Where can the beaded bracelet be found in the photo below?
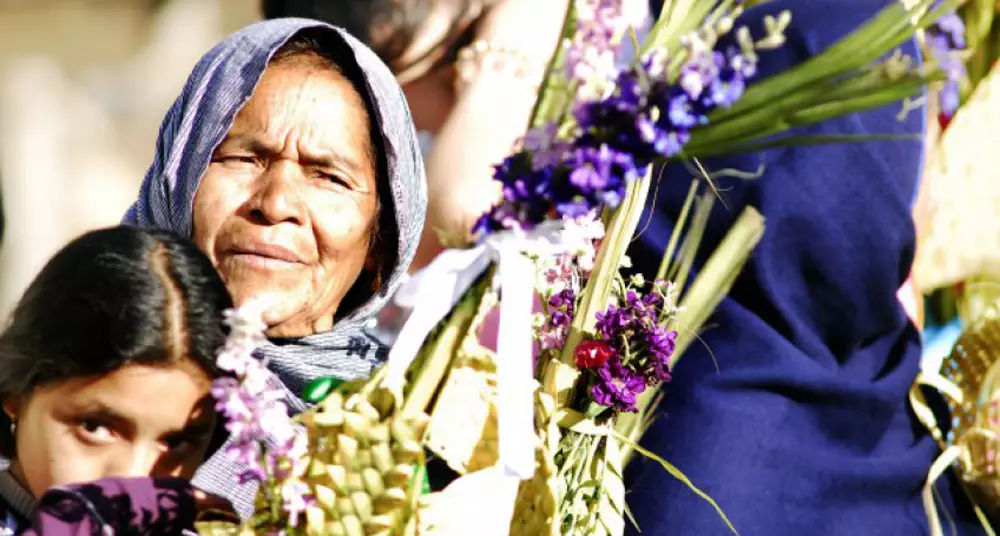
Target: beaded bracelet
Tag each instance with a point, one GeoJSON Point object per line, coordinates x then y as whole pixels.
{"type": "Point", "coordinates": [484, 57]}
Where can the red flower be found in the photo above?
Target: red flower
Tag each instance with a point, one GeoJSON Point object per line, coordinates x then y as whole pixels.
{"type": "Point", "coordinates": [593, 354]}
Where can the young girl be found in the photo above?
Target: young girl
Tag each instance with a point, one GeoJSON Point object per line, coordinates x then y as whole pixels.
{"type": "Point", "coordinates": [105, 371]}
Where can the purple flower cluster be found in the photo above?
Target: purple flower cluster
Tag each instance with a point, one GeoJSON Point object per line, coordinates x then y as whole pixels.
{"type": "Point", "coordinates": [647, 118]}
{"type": "Point", "coordinates": [561, 308]}
{"type": "Point", "coordinates": [642, 349]}
{"type": "Point", "coordinates": [256, 416]}
{"type": "Point", "coordinates": [590, 55]}
{"type": "Point", "coordinates": [945, 39]}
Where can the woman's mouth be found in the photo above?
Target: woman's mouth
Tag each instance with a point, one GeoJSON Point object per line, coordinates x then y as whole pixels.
{"type": "Point", "coordinates": [265, 256]}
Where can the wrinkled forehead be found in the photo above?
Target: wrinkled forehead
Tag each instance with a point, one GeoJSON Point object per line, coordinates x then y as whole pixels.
{"type": "Point", "coordinates": [309, 101]}
{"type": "Point", "coordinates": [218, 88]}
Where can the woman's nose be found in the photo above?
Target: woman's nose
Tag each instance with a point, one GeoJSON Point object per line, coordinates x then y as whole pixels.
{"type": "Point", "coordinates": [277, 199]}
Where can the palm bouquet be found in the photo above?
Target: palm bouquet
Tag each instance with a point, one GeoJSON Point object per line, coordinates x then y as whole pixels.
{"type": "Point", "coordinates": [540, 429]}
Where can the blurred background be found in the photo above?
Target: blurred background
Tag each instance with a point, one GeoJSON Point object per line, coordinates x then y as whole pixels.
{"type": "Point", "coordinates": [84, 85]}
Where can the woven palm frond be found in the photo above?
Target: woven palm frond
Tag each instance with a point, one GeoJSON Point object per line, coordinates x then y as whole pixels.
{"type": "Point", "coordinates": [364, 468]}
{"type": "Point", "coordinates": [536, 512]}
{"type": "Point", "coordinates": [463, 428]}
{"type": "Point", "coordinates": [959, 234]}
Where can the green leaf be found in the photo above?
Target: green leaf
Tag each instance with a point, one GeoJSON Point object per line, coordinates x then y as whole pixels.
{"type": "Point", "coordinates": [554, 95]}
{"type": "Point", "coordinates": [677, 18]}
{"type": "Point", "coordinates": [611, 507]}
{"type": "Point", "coordinates": [679, 475]}
{"type": "Point", "coordinates": [435, 356]}
{"type": "Point", "coordinates": [716, 277]}
{"type": "Point", "coordinates": [797, 111]}
{"type": "Point", "coordinates": [318, 389]}
{"type": "Point", "coordinates": [800, 140]}
{"type": "Point", "coordinates": [675, 236]}
{"type": "Point", "coordinates": [881, 34]}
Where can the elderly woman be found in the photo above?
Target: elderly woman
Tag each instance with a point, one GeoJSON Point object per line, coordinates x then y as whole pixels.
{"type": "Point", "coordinates": [291, 160]}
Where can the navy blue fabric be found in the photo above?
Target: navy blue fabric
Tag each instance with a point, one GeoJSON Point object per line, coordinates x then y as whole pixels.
{"type": "Point", "coordinates": [804, 428]}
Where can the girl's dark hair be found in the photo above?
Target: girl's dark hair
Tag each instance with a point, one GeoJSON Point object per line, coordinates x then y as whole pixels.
{"type": "Point", "coordinates": [317, 47]}
{"type": "Point", "coordinates": [110, 298]}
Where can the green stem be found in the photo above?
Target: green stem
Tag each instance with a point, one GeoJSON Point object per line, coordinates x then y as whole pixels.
{"type": "Point", "coordinates": [715, 279]}
{"type": "Point", "coordinates": [675, 236]}
{"type": "Point", "coordinates": [889, 28]}
{"type": "Point", "coordinates": [689, 250]}
{"type": "Point", "coordinates": [549, 95]}
{"type": "Point", "coordinates": [617, 236]}
{"type": "Point", "coordinates": [437, 358]}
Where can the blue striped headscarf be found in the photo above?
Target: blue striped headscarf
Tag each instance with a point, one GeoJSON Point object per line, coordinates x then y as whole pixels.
{"type": "Point", "coordinates": [201, 117]}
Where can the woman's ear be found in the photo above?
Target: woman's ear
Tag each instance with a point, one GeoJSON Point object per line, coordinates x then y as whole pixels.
{"type": "Point", "coordinates": [12, 407]}
{"type": "Point", "coordinates": [373, 262]}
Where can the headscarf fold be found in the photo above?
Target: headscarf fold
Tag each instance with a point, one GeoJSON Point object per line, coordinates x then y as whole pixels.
{"type": "Point", "coordinates": [219, 86]}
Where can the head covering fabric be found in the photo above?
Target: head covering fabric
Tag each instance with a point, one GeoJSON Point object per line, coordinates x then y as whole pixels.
{"type": "Point", "coordinates": [219, 86]}
{"type": "Point", "coordinates": [791, 411]}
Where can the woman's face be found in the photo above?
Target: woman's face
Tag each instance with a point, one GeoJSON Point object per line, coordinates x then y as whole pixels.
{"type": "Point", "coordinates": [139, 420]}
{"type": "Point", "coordinates": [286, 208]}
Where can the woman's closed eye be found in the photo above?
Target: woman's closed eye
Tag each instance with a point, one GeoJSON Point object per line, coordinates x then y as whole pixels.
{"type": "Point", "coordinates": [334, 179]}
{"type": "Point", "coordinates": [236, 159]}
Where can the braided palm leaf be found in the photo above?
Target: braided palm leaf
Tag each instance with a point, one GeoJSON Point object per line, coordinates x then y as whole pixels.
{"type": "Point", "coordinates": [535, 507]}
{"type": "Point", "coordinates": [363, 469]}
{"type": "Point", "coordinates": [463, 430]}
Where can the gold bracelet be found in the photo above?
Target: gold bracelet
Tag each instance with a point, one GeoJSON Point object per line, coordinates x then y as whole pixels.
{"type": "Point", "coordinates": [482, 57]}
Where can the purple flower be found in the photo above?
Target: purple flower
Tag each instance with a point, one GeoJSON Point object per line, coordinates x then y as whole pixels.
{"type": "Point", "coordinates": [635, 329]}
{"type": "Point", "coordinates": [245, 452]}
{"type": "Point", "coordinates": [590, 55]}
{"type": "Point", "coordinates": [946, 39]}
{"type": "Point", "coordinates": [682, 111]}
{"type": "Point", "coordinates": [562, 306]}
{"type": "Point", "coordinates": [645, 118]}
{"type": "Point", "coordinates": [296, 497]}
{"type": "Point", "coordinates": [661, 344]}
{"type": "Point", "coordinates": [600, 175]}
{"type": "Point", "coordinates": [952, 26]}
{"type": "Point", "coordinates": [616, 386]}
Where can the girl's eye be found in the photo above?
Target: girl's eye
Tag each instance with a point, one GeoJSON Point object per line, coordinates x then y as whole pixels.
{"type": "Point", "coordinates": [96, 430]}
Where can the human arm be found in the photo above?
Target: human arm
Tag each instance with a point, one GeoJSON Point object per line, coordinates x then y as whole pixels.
{"type": "Point", "coordinates": [491, 112]}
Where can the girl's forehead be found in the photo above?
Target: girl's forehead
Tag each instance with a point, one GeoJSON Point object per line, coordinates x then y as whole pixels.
{"type": "Point", "coordinates": [156, 397]}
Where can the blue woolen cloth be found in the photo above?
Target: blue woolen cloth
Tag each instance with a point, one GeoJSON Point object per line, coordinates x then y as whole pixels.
{"type": "Point", "coordinates": [793, 412]}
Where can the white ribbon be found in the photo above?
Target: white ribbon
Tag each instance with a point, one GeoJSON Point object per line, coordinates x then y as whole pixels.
{"type": "Point", "coordinates": [460, 509]}
{"type": "Point", "coordinates": [435, 290]}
